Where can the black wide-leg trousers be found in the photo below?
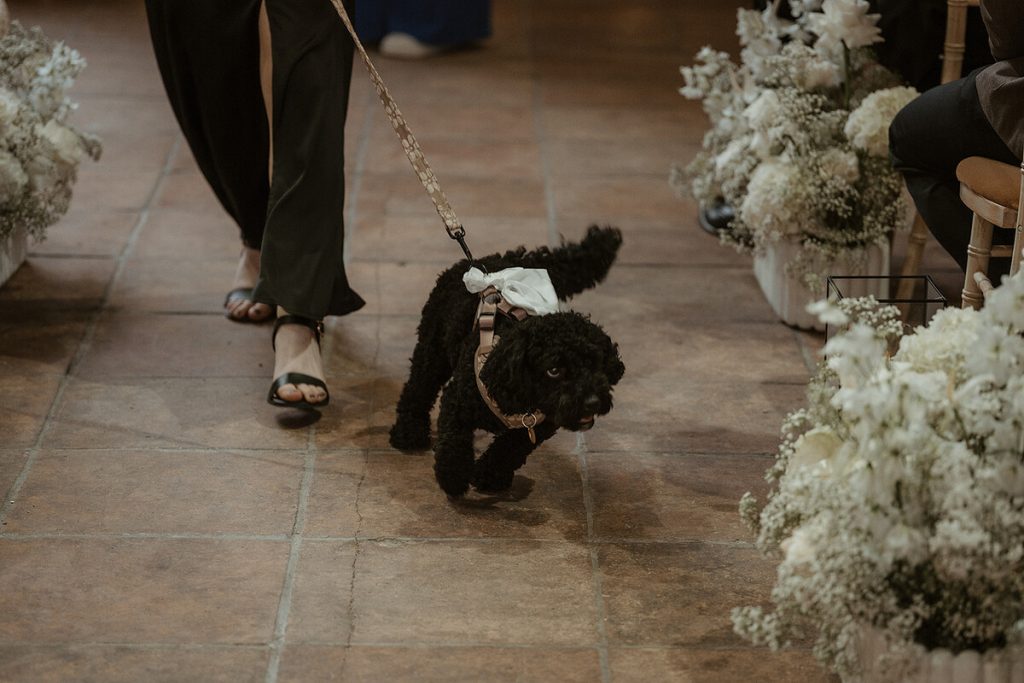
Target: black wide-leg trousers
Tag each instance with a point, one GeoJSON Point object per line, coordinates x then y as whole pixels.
{"type": "Point", "coordinates": [209, 57]}
{"type": "Point", "coordinates": [927, 140]}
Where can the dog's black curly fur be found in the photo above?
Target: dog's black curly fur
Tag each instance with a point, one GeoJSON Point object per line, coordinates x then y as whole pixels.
{"type": "Point", "coordinates": [516, 372]}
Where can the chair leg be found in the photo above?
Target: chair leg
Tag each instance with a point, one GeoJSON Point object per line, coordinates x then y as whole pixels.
{"type": "Point", "coordinates": [912, 263]}
{"type": "Point", "coordinates": [1018, 245]}
{"type": "Point", "coordinates": [978, 253]}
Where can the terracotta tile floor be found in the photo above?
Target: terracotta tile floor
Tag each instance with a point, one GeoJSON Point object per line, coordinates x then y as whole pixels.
{"type": "Point", "coordinates": [163, 523]}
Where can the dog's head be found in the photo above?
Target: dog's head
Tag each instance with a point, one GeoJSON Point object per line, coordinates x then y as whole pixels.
{"type": "Point", "coordinates": [561, 364]}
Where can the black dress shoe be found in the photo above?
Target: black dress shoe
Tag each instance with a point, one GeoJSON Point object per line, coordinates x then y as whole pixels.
{"type": "Point", "coordinates": [716, 218]}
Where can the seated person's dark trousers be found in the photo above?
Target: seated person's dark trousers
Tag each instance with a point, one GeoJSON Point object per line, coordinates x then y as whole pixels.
{"type": "Point", "coordinates": [927, 140]}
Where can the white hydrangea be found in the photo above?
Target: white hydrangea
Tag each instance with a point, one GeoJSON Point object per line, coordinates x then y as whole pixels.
{"type": "Point", "coordinates": [868, 126]}
{"type": "Point", "coordinates": [769, 203]}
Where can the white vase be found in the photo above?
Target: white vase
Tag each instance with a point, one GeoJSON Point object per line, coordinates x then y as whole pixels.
{"type": "Point", "coordinates": [789, 297]}
{"type": "Point", "coordinates": [941, 666]}
{"type": "Point", "coordinates": [13, 252]}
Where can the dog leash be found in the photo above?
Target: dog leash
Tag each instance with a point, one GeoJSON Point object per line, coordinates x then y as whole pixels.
{"type": "Point", "coordinates": [412, 148]}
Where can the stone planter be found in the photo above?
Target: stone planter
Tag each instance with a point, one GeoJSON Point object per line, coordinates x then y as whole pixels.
{"type": "Point", "coordinates": [789, 297]}
{"type": "Point", "coordinates": [942, 666]}
{"type": "Point", "coordinates": [13, 251]}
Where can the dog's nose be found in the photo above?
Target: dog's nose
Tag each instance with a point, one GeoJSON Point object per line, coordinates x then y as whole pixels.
{"type": "Point", "coordinates": [592, 404]}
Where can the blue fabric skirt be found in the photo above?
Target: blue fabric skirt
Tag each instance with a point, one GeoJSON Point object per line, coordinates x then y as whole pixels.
{"type": "Point", "coordinates": [435, 22]}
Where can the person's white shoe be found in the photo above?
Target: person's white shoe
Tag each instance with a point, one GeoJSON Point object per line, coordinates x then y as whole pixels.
{"type": "Point", "coordinates": [404, 46]}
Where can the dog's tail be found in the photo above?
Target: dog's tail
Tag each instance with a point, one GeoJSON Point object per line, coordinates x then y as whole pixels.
{"type": "Point", "coordinates": [575, 267]}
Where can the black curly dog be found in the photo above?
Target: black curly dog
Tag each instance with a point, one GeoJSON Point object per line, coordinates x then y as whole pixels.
{"type": "Point", "coordinates": [561, 364]}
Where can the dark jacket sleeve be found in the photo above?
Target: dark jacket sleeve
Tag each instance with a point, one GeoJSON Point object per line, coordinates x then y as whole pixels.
{"type": "Point", "coordinates": [1005, 22]}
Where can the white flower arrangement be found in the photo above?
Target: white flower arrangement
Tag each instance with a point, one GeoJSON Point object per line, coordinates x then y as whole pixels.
{"type": "Point", "coordinates": [898, 493]}
{"type": "Point", "coordinates": [809, 99]}
{"type": "Point", "coordinates": [39, 150]}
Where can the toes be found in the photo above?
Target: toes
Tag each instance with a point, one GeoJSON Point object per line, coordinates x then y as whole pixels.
{"type": "Point", "coordinates": [238, 308]}
{"type": "Point", "coordinates": [289, 392]}
{"type": "Point", "coordinates": [259, 312]}
{"type": "Point", "coordinates": [312, 394]}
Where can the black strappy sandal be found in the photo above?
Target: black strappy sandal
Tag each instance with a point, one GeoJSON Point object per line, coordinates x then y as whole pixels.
{"type": "Point", "coordinates": [240, 293]}
{"type": "Point", "coordinates": [297, 378]}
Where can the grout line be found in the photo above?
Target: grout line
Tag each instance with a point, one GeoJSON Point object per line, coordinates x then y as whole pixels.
{"type": "Point", "coordinates": [90, 331]}
{"type": "Point", "coordinates": [356, 539]}
{"type": "Point", "coordinates": [595, 573]}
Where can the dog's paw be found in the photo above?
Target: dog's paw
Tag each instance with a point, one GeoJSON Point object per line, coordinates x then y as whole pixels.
{"type": "Point", "coordinates": [408, 436]}
{"type": "Point", "coordinates": [454, 483]}
{"type": "Point", "coordinates": [487, 481]}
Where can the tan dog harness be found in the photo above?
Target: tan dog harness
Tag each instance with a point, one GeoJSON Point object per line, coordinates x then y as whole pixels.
{"type": "Point", "coordinates": [491, 303]}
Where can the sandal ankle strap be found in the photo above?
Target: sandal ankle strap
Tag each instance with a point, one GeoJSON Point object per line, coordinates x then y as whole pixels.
{"type": "Point", "coordinates": [316, 325]}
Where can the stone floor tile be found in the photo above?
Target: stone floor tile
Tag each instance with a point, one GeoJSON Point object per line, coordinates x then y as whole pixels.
{"type": "Point", "coordinates": [188, 191]}
{"type": "Point", "coordinates": [180, 234]}
{"type": "Point", "coordinates": [42, 341]}
{"type": "Point", "coordinates": [360, 664]}
{"type": "Point", "coordinates": [361, 345]}
{"type": "Point", "coordinates": [588, 158]}
{"type": "Point", "coordinates": [413, 238]}
{"type": "Point", "coordinates": [114, 188]}
{"type": "Point", "coordinates": [668, 415]}
{"type": "Point", "coordinates": [56, 284]}
{"type": "Point", "coordinates": [158, 492]}
{"type": "Point", "coordinates": [124, 664]}
{"type": "Point", "coordinates": [601, 124]}
{"type": "Point", "coordinates": [396, 496]}
{"type": "Point", "coordinates": [403, 288]}
{"type": "Point", "coordinates": [177, 286]}
{"type": "Point", "coordinates": [176, 413]}
{"type": "Point", "coordinates": [346, 423]}
{"type": "Point", "coordinates": [679, 594]}
{"type": "Point", "coordinates": [472, 82]}
{"type": "Point", "coordinates": [434, 120]}
{"type": "Point", "coordinates": [476, 158]}
{"type": "Point", "coordinates": [321, 603]}
{"type": "Point", "coordinates": [673, 497]}
{"type": "Point", "coordinates": [472, 198]}
{"type": "Point", "coordinates": [614, 200]}
{"type": "Point", "coordinates": [140, 591]}
{"type": "Point", "coordinates": [88, 232]}
{"type": "Point", "coordinates": [24, 404]}
{"type": "Point", "coordinates": [12, 461]}
{"type": "Point", "coordinates": [153, 345]}
{"type": "Point", "coordinates": [522, 592]}
{"type": "Point", "coordinates": [643, 665]}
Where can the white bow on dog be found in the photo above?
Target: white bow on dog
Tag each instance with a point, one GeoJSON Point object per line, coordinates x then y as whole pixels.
{"type": "Point", "coordinates": [526, 288]}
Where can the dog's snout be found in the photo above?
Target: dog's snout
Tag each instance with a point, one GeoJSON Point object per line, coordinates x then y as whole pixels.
{"type": "Point", "coordinates": [592, 403]}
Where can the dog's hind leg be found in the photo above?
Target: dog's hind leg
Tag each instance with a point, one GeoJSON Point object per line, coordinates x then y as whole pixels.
{"type": "Point", "coordinates": [496, 468]}
{"type": "Point", "coordinates": [430, 370]}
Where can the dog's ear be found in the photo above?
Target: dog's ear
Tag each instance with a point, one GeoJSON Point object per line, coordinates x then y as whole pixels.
{"type": "Point", "coordinates": [506, 374]}
{"type": "Point", "coordinates": [614, 367]}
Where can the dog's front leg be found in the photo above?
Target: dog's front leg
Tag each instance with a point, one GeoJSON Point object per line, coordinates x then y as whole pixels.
{"type": "Point", "coordinates": [496, 468]}
{"type": "Point", "coordinates": [453, 451]}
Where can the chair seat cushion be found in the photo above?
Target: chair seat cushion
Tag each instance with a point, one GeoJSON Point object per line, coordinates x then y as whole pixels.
{"type": "Point", "coordinates": [993, 180]}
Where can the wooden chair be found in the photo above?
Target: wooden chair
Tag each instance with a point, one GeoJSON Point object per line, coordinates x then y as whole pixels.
{"type": "Point", "coordinates": [952, 69]}
{"type": "Point", "coordinates": [994, 191]}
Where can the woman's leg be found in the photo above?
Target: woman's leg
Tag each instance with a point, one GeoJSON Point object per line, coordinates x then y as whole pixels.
{"type": "Point", "coordinates": [927, 140]}
{"type": "Point", "coordinates": [208, 54]}
{"type": "Point", "coordinates": [310, 67]}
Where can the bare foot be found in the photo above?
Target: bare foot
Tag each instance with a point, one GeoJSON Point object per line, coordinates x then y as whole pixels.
{"type": "Point", "coordinates": [297, 351]}
{"type": "Point", "coordinates": [246, 274]}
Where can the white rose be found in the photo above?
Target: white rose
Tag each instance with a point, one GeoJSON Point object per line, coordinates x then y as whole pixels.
{"type": "Point", "coordinates": [839, 164]}
{"type": "Point", "coordinates": [12, 177]}
{"type": "Point", "coordinates": [820, 443]}
{"type": "Point", "coordinates": [9, 105]}
{"type": "Point", "coordinates": [765, 111]}
{"type": "Point", "coordinates": [821, 73]}
{"type": "Point", "coordinates": [66, 144]}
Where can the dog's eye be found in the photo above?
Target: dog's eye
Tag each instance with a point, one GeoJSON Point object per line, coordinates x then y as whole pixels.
{"type": "Point", "coordinates": [556, 373]}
